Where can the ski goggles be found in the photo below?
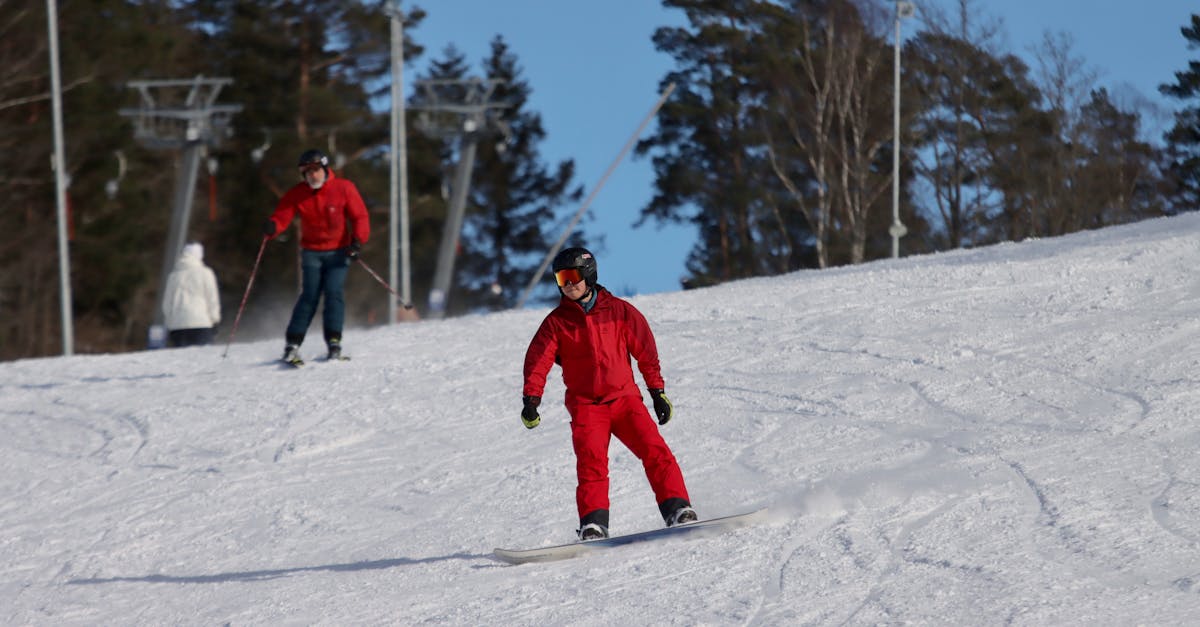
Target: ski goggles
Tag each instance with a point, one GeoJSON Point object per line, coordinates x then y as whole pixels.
{"type": "Point", "coordinates": [310, 167]}
{"type": "Point", "coordinates": [568, 276]}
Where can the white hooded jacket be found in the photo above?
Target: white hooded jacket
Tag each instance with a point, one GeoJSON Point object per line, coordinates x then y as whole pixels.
{"type": "Point", "coordinates": [191, 300]}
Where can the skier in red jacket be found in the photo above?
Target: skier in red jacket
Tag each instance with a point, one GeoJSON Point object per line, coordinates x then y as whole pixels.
{"type": "Point", "coordinates": [592, 334]}
{"type": "Point", "coordinates": [334, 226]}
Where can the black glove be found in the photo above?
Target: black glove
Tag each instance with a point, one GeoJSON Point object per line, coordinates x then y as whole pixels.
{"type": "Point", "coordinates": [269, 227]}
{"type": "Point", "coordinates": [529, 413]}
{"type": "Point", "coordinates": [352, 250]}
{"type": "Point", "coordinates": [662, 407]}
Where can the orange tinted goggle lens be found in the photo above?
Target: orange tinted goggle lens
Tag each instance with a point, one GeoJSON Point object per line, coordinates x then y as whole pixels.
{"type": "Point", "coordinates": [568, 275]}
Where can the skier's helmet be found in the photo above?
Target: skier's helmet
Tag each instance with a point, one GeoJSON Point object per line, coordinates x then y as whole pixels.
{"type": "Point", "coordinates": [580, 259]}
{"type": "Point", "coordinates": [313, 157]}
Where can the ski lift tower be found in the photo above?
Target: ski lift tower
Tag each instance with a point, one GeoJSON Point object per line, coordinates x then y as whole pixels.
{"type": "Point", "coordinates": [463, 110]}
{"type": "Point", "coordinates": [179, 114]}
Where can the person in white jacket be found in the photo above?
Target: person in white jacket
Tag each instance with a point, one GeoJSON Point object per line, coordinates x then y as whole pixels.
{"type": "Point", "coordinates": [192, 306]}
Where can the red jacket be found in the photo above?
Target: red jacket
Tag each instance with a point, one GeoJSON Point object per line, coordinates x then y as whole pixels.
{"type": "Point", "coordinates": [324, 214]}
{"type": "Point", "coordinates": [593, 349]}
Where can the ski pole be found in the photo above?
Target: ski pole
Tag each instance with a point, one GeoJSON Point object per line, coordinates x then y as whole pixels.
{"type": "Point", "coordinates": [249, 284]}
{"type": "Point", "coordinates": [384, 283]}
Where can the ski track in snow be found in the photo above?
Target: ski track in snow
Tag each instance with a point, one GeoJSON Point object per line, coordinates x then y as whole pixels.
{"type": "Point", "coordinates": [998, 436]}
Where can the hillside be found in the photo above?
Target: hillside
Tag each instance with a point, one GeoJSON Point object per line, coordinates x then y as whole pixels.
{"type": "Point", "coordinates": [1004, 435]}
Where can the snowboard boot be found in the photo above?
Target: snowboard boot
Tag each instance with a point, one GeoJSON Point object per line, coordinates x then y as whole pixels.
{"type": "Point", "coordinates": [291, 355]}
{"type": "Point", "coordinates": [593, 531]}
{"type": "Point", "coordinates": [682, 516]}
{"type": "Point", "coordinates": [676, 510]}
{"type": "Point", "coordinates": [593, 525]}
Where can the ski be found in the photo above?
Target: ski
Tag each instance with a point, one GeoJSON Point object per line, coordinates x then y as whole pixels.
{"type": "Point", "coordinates": [575, 549]}
{"type": "Point", "coordinates": [300, 363]}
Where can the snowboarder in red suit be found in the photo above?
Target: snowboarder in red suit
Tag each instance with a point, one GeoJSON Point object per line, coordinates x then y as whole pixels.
{"type": "Point", "coordinates": [592, 335]}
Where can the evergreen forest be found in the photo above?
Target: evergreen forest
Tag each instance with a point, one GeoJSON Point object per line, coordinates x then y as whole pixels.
{"type": "Point", "coordinates": [777, 144]}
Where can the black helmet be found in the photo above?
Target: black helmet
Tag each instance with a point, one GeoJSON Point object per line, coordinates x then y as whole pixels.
{"type": "Point", "coordinates": [580, 258]}
{"type": "Point", "coordinates": [313, 156]}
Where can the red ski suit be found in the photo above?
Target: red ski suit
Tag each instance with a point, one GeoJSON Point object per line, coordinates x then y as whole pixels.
{"type": "Point", "coordinates": [324, 214]}
{"type": "Point", "coordinates": [593, 349]}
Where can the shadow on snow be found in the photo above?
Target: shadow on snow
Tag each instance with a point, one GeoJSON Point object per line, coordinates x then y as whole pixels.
{"type": "Point", "coordinates": [262, 575]}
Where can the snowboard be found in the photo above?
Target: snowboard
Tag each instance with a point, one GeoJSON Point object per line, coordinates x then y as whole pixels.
{"type": "Point", "coordinates": [712, 526]}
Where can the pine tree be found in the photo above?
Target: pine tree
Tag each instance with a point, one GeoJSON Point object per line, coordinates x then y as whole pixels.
{"type": "Point", "coordinates": [116, 240]}
{"type": "Point", "coordinates": [1118, 180]}
{"type": "Point", "coordinates": [442, 83]}
{"type": "Point", "coordinates": [982, 142]}
{"type": "Point", "coordinates": [514, 196]}
{"type": "Point", "coordinates": [711, 169]}
{"type": "Point", "coordinates": [512, 207]}
{"type": "Point", "coordinates": [1183, 140]}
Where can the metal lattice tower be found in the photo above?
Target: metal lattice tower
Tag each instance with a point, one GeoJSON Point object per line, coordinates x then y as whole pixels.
{"type": "Point", "coordinates": [461, 110]}
{"type": "Point", "coordinates": [180, 114]}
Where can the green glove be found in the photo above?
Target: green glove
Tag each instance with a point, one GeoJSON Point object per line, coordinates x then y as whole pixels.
{"type": "Point", "coordinates": [529, 413]}
{"type": "Point", "coordinates": [662, 406]}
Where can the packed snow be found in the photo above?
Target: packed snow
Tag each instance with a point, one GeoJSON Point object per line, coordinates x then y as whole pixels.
{"type": "Point", "coordinates": [1005, 435]}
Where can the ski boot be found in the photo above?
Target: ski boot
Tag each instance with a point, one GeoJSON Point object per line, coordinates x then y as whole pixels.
{"type": "Point", "coordinates": [291, 355]}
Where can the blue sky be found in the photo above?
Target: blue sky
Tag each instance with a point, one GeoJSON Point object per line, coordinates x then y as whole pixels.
{"type": "Point", "coordinates": [594, 74]}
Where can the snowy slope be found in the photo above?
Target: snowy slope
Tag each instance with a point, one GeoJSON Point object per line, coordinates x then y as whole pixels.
{"type": "Point", "coordinates": [1005, 435]}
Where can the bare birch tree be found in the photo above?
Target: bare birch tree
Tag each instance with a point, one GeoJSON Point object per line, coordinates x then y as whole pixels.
{"type": "Point", "coordinates": [802, 92]}
{"type": "Point", "coordinates": [864, 129]}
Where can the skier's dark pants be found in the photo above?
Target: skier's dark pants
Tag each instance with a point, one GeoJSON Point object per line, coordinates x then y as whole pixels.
{"type": "Point", "coordinates": [324, 274]}
{"type": "Point", "coordinates": [191, 337]}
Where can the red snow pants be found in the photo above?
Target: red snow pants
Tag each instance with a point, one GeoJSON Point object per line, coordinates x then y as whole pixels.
{"type": "Point", "coordinates": [592, 426]}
